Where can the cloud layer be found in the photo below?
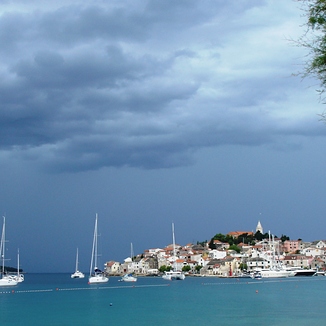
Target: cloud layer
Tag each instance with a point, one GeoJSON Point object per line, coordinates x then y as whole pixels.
{"type": "Point", "coordinates": [87, 85]}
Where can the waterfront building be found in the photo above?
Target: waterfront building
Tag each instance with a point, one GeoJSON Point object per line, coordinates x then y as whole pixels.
{"type": "Point", "coordinates": [312, 251]}
{"type": "Point", "coordinates": [292, 245]}
{"type": "Point", "coordinates": [256, 263]}
{"type": "Point", "coordinates": [300, 261]}
{"type": "Point", "coordinates": [318, 263]}
{"type": "Point", "coordinates": [220, 245]}
{"type": "Point", "coordinates": [112, 267]}
{"type": "Point", "coordinates": [217, 254]}
{"type": "Point", "coordinates": [319, 244]}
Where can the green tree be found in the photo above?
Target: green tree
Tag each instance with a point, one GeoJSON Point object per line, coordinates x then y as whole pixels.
{"type": "Point", "coordinates": [284, 238]}
{"type": "Point", "coordinates": [12, 269]}
{"type": "Point", "coordinates": [243, 266]}
{"type": "Point", "coordinates": [165, 268]}
{"type": "Point", "coordinates": [186, 268]}
{"type": "Point", "coordinates": [219, 237]}
{"type": "Point", "coordinates": [314, 39]}
{"type": "Point", "coordinates": [211, 244]}
{"type": "Point", "coordinates": [235, 248]}
{"type": "Point", "coordinates": [223, 238]}
{"type": "Point", "coordinates": [202, 243]}
{"type": "Point", "coordinates": [258, 236]}
{"type": "Point", "coordinates": [198, 268]}
{"type": "Point", "coordinates": [266, 235]}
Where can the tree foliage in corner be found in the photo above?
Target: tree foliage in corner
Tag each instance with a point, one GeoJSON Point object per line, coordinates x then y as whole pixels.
{"type": "Point", "coordinates": [314, 39]}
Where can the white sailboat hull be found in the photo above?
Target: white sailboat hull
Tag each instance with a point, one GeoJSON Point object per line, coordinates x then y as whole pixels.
{"type": "Point", "coordinates": [8, 281]}
{"type": "Point", "coordinates": [179, 276]}
{"type": "Point", "coordinates": [270, 273]}
{"type": "Point", "coordinates": [20, 278]}
{"type": "Point", "coordinates": [77, 274]}
{"type": "Point", "coordinates": [128, 278]}
{"type": "Point", "coordinates": [174, 274]}
{"type": "Point", "coordinates": [97, 279]}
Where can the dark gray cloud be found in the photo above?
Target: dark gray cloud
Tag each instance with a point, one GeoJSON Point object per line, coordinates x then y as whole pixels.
{"type": "Point", "coordinates": [144, 84]}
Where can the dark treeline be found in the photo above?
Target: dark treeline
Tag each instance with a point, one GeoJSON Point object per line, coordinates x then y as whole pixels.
{"type": "Point", "coordinates": [12, 269]}
{"type": "Point", "coordinates": [245, 238]}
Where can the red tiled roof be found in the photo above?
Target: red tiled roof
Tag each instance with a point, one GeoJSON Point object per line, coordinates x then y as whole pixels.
{"type": "Point", "coordinates": [238, 233]}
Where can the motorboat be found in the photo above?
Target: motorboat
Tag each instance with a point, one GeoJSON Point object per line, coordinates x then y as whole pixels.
{"type": "Point", "coordinates": [128, 278]}
{"type": "Point", "coordinates": [297, 271]}
{"type": "Point", "coordinates": [173, 275]}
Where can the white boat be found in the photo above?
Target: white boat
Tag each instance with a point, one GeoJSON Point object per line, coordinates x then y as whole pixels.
{"type": "Point", "coordinates": [276, 270]}
{"type": "Point", "coordinates": [19, 277]}
{"type": "Point", "coordinates": [96, 275]}
{"type": "Point", "coordinates": [77, 273]}
{"type": "Point", "coordinates": [6, 279]}
{"type": "Point", "coordinates": [173, 274]}
{"type": "Point", "coordinates": [272, 273]}
{"type": "Point", "coordinates": [255, 275]}
{"type": "Point", "coordinates": [320, 273]}
{"type": "Point", "coordinates": [297, 271]}
{"type": "Point", "coordinates": [128, 278]}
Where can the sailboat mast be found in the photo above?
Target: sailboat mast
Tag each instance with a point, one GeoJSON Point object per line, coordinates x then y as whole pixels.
{"type": "Point", "coordinates": [76, 261]}
{"type": "Point", "coordinates": [2, 251]}
{"type": "Point", "coordinates": [173, 241]}
{"type": "Point", "coordinates": [18, 263]}
{"type": "Point", "coordinates": [95, 245]}
{"type": "Point", "coordinates": [273, 250]}
{"type": "Point", "coordinates": [93, 248]}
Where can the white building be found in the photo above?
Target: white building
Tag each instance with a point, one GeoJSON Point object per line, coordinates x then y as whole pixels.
{"type": "Point", "coordinates": [314, 252]}
{"type": "Point", "coordinates": [259, 228]}
{"type": "Point", "coordinates": [217, 254]}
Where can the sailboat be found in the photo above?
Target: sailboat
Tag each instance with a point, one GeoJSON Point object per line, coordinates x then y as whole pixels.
{"type": "Point", "coordinates": [96, 275]}
{"type": "Point", "coordinates": [273, 271]}
{"type": "Point", "coordinates": [6, 279]}
{"type": "Point", "coordinates": [129, 277]}
{"type": "Point", "coordinates": [77, 273]}
{"type": "Point", "coordinates": [19, 277]}
{"type": "Point", "coordinates": [174, 274]}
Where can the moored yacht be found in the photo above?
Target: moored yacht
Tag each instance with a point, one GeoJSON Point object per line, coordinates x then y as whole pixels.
{"type": "Point", "coordinates": [77, 273]}
{"type": "Point", "coordinates": [276, 270]}
{"type": "Point", "coordinates": [174, 274]}
{"type": "Point", "coordinates": [96, 275]}
{"type": "Point", "coordinates": [128, 278]}
{"type": "Point", "coordinates": [297, 271]}
{"type": "Point", "coordinates": [274, 273]}
{"type": "Point", "coordinates": [5, 278]}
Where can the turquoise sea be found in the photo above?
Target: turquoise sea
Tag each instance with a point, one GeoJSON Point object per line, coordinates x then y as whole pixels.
{"type": "Point", "coordinates": [56, 299]}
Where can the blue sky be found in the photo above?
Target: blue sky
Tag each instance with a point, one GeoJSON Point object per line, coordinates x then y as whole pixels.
{"type": "Point", "coordinates": [148, 112]}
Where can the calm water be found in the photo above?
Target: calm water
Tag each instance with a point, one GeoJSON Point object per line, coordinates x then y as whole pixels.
{"type": "Point", "coordinates": [56, 299]}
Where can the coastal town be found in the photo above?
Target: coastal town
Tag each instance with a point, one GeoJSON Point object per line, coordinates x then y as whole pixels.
{"type": "Point", "coordinates": [220, 259]}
